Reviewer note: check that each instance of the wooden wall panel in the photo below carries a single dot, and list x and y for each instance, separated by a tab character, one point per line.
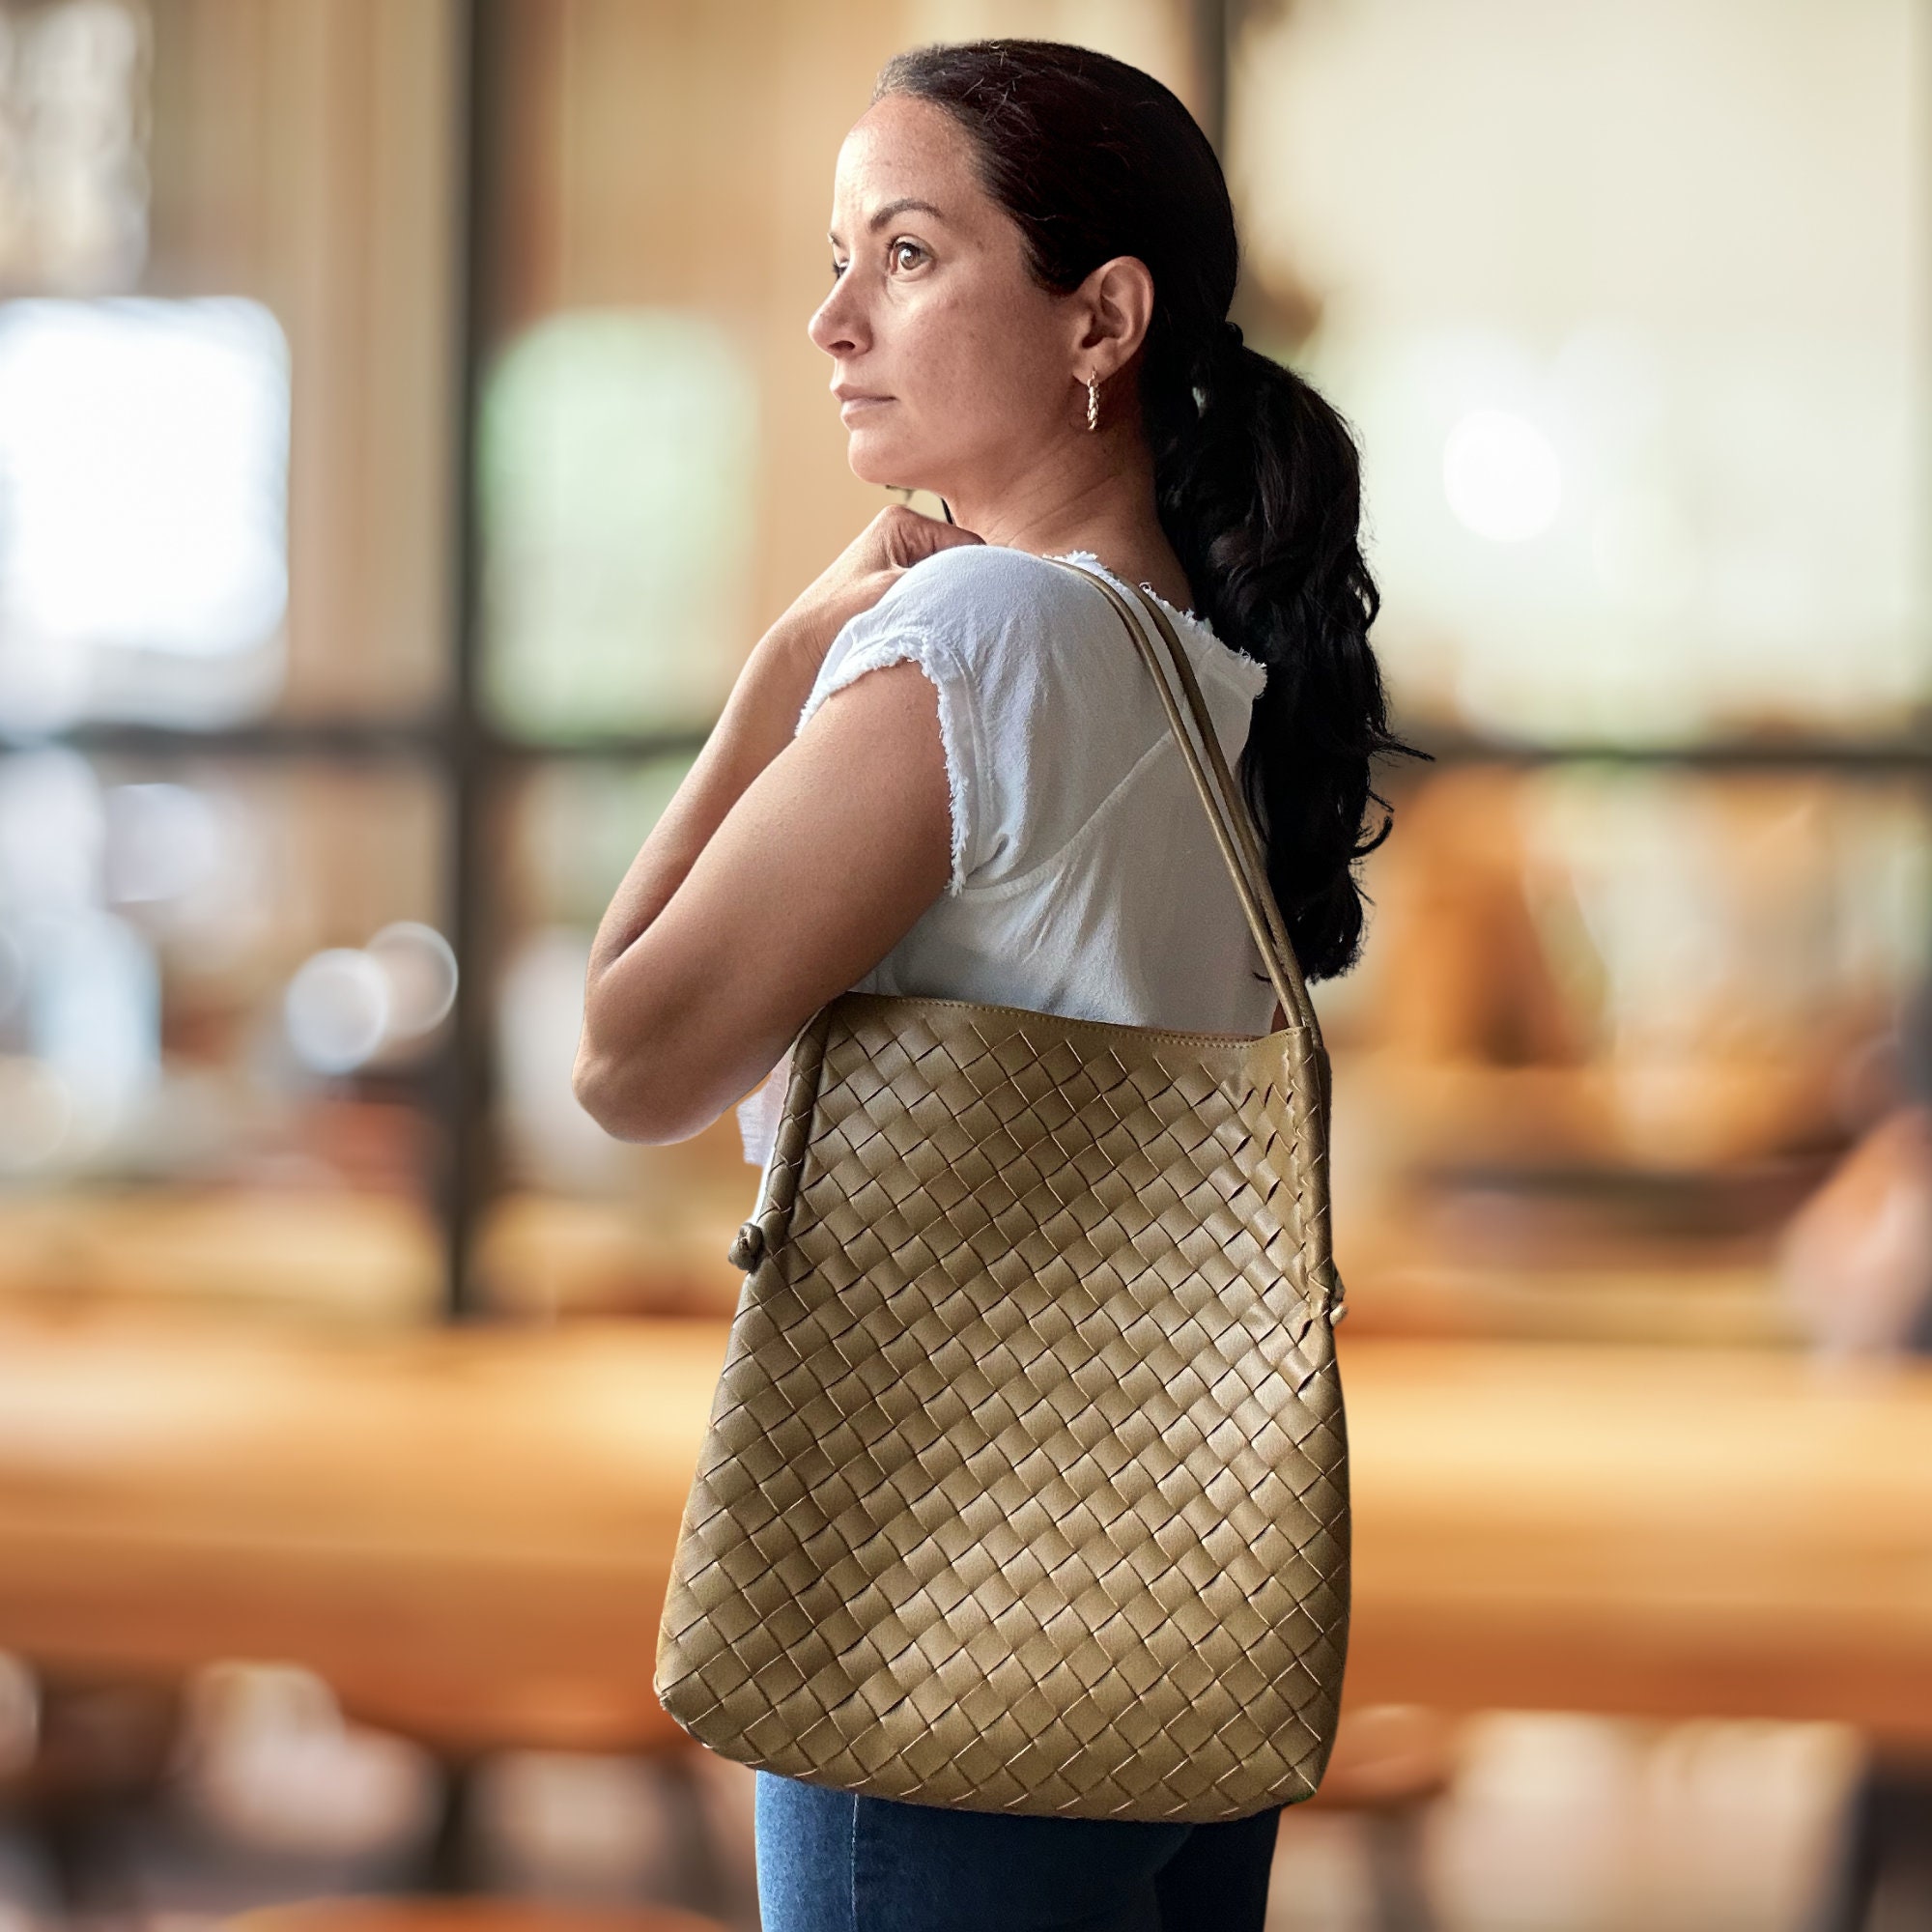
304	156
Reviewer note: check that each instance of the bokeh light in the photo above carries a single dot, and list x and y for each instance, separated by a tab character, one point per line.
144	461
338	1009
1501	476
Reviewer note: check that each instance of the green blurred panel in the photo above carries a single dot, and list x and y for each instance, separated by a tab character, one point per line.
618	465
578	828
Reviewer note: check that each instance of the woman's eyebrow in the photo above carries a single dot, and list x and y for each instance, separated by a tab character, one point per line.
906	204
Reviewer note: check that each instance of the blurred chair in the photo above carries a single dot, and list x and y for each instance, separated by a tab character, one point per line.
1855	1262
463	1915
1884	1876
95	1748
1390	1762
489	1720
1856	1266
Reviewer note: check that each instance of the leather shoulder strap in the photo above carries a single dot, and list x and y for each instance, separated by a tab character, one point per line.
1214	786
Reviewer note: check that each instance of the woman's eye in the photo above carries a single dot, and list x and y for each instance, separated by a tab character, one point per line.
837	270
902	250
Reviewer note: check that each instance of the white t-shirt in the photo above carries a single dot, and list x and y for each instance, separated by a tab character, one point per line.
1086	879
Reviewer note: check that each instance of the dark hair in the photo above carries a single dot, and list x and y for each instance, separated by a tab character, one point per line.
1256	479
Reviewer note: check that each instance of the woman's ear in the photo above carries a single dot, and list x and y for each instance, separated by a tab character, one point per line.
1116	306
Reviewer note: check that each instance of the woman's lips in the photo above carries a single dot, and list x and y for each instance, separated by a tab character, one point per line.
857	406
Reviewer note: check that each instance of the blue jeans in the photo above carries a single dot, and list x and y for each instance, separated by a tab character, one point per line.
830	1862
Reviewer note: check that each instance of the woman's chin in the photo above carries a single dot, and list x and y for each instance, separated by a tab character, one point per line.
877	458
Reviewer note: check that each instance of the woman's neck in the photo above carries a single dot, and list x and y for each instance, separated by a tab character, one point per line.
1105	506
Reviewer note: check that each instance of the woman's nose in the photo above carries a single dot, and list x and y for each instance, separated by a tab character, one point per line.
835	326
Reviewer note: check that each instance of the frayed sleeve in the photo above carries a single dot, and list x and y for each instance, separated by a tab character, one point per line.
873	648
980	621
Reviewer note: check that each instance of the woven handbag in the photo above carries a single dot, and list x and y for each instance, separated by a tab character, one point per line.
1026	1483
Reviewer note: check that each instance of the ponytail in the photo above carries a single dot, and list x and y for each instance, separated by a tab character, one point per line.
1260	492
1256	479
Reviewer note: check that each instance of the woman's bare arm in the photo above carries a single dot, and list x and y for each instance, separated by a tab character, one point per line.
782	871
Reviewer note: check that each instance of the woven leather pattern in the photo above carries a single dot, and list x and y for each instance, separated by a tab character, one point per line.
1026	1482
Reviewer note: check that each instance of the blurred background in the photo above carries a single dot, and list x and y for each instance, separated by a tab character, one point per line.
407	427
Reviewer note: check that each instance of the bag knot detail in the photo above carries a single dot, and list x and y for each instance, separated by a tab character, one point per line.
748	1247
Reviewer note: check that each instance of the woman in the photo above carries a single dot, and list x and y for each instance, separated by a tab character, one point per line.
945	770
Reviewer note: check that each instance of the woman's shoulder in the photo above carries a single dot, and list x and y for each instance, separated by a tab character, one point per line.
973	587
996	597
978	615
991	630
1217	661
1018	634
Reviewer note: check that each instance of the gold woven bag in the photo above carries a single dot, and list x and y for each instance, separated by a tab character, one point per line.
1025	1484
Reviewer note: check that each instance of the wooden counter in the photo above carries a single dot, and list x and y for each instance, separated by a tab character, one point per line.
1689	1533
469	1531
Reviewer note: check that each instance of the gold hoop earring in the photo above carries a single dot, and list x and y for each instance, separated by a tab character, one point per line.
1092	402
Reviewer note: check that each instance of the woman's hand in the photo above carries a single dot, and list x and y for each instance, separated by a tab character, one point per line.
859	576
